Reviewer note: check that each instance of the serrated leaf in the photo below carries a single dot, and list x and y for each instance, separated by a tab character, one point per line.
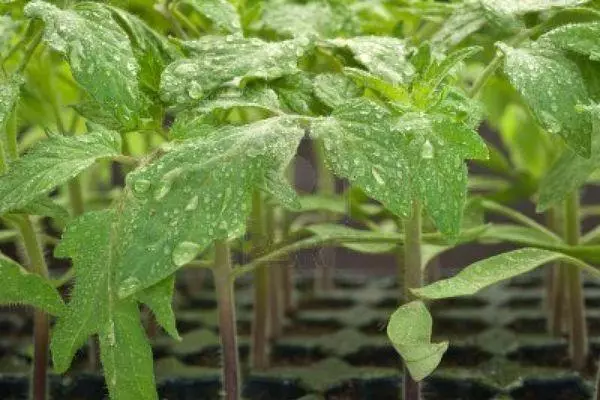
552	87
409	330
493	270
335	89
52	162
386	57
22	287
221	12
204	118
99	54
295	93
397	160
279	188
569	172
44	206
467	19
158	299
95	309
370	81
319	18
525	6
152	50
579	38
180	203
217	61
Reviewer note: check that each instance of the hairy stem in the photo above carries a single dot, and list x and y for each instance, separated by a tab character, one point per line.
227	321
412	278
324	267
578	344
260	323
37	265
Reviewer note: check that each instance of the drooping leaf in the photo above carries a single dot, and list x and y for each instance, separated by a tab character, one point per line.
95	309
180	203
570	171
366	79
493	270
53	162
222	12
517	234
579	38
295	93
409	330
219	61
279	189
22	287
552	87
398	160
335	89
386	57
99	53
324	203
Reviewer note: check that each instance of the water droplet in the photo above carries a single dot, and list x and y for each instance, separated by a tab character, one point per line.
141	186
163	189
427	150
378	178
185	252
193	204
128	287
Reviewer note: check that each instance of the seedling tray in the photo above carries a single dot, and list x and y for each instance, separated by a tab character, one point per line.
335	348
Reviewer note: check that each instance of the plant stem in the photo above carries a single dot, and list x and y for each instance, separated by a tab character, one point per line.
556	281
324	268
275	276
412	278
227	321
37	265
260	326
578	339
29	52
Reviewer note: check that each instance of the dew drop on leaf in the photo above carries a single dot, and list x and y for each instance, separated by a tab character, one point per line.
193	204
427	150
141	186
185	252
129	286
377	176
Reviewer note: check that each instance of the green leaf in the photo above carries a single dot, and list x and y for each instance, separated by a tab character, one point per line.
152	50
526	6
529	147
96	309
295	93
9	95
203	119
526	236
319	18
397	160
386	57
221	12
99	54
467	19
409	330
52	162
44	206
335	89
570	171
219	61
158	299
493	270
579	38
326	231
22	287
178	204
277	186
370	81
535	74
318	202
